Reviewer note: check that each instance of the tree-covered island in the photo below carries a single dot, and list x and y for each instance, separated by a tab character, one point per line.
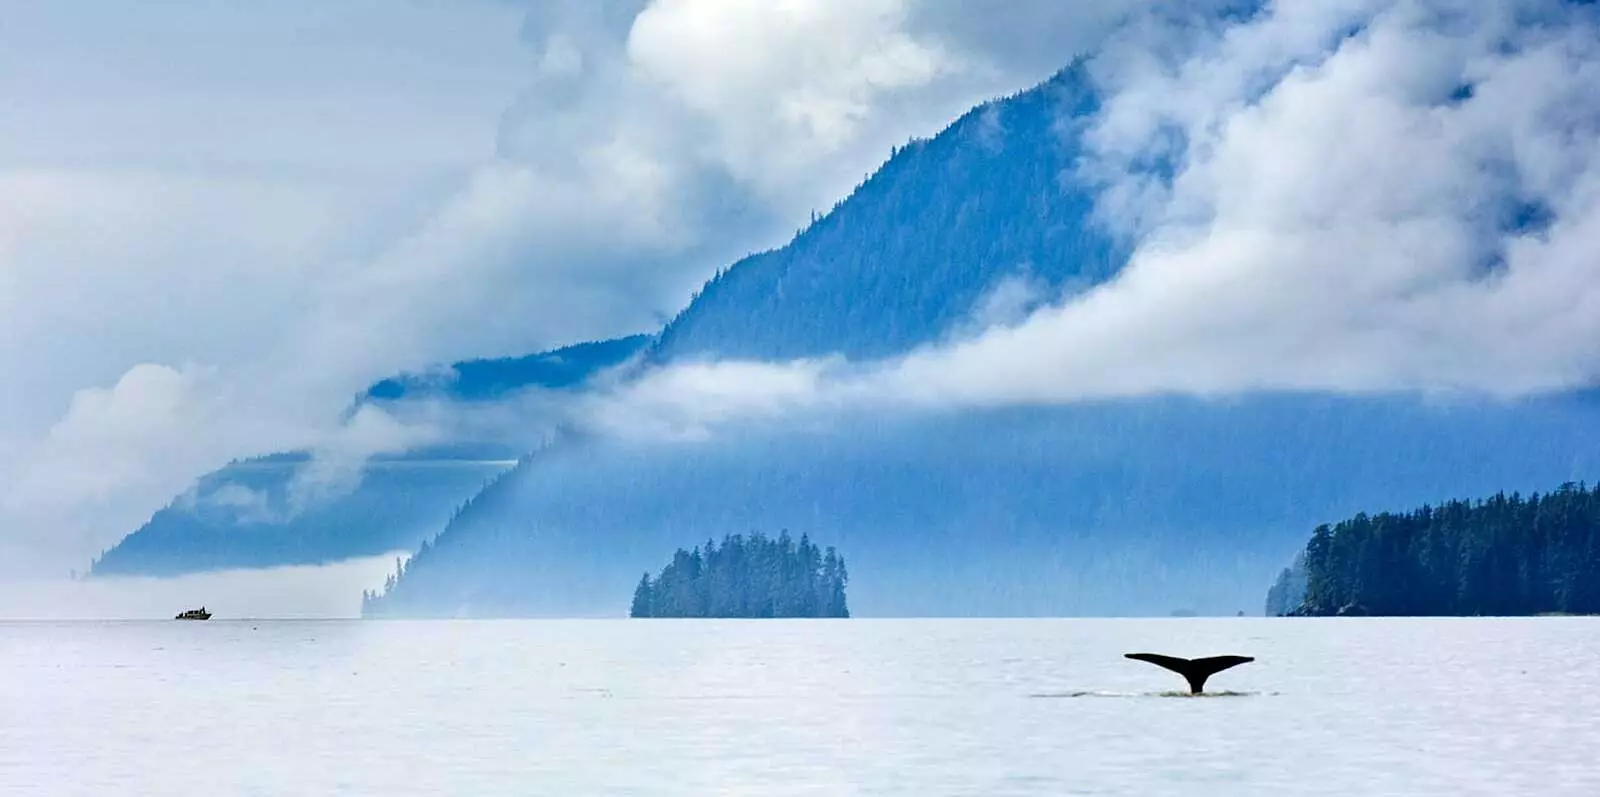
754	576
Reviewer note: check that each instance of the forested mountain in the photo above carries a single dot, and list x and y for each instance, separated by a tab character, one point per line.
246	514
252	513
748	577
1507	555
911	252
1113	507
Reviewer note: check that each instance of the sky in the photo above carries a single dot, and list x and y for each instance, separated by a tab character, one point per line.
221	219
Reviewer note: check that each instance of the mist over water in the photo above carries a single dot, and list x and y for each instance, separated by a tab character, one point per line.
310	591
913	707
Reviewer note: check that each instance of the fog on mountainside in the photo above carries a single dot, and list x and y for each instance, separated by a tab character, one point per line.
244	515
251	513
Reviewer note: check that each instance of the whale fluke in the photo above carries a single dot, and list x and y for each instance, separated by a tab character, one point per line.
1195	671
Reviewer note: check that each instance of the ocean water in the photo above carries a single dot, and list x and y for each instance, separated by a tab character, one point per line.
893	707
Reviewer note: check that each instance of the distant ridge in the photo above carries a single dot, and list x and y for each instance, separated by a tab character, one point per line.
243	515
486	380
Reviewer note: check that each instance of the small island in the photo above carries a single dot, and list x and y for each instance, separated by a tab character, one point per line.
754	576
1505	556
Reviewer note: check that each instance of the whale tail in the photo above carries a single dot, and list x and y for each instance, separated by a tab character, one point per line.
1195	671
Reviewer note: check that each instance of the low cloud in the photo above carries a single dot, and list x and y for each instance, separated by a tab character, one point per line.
1010	301
687	402
337	461
247	504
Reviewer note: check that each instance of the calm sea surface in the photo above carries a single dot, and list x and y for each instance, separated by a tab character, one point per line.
934	707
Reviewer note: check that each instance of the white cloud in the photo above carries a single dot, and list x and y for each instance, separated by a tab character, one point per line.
783	85
337	460
688	402
119	424
122	451
1009	302
248	505
1334	215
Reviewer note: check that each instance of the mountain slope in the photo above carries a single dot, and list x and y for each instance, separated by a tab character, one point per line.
916	248
487	380
246	514
252	514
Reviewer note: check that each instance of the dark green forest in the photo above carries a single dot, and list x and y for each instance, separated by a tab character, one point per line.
1508	555
753	576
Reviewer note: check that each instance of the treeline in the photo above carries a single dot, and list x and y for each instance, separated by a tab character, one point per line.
753	576
1508	555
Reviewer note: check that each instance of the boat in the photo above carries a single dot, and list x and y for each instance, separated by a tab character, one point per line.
194	614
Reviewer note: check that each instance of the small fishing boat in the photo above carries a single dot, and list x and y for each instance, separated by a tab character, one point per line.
194	614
